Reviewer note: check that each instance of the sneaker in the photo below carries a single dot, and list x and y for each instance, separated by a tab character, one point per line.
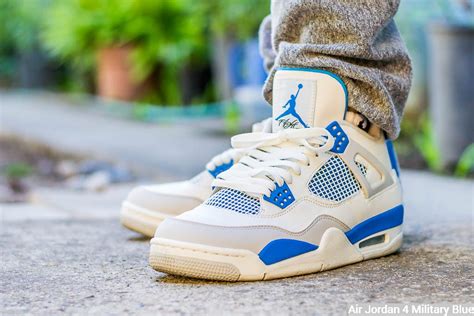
317	193
147	206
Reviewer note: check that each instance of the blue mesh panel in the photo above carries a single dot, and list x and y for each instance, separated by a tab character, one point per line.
234	200
334	181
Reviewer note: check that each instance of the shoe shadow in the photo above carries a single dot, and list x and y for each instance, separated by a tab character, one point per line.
171	279
412	240
139	238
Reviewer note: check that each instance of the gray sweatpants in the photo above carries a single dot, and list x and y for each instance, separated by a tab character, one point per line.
356	39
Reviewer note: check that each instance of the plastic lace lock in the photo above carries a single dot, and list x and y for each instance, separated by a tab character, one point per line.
340	137
281	196
221	168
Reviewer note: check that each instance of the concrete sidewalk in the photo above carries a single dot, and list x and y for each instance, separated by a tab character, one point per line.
67	253
150	149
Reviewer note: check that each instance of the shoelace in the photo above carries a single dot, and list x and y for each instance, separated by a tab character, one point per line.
272	158
236	154
225	158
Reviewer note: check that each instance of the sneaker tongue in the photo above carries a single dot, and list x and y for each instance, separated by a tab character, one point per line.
307	98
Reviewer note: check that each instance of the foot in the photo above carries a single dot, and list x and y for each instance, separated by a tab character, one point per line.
302	200
147	206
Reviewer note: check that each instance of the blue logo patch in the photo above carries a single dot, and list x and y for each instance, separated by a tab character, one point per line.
291	104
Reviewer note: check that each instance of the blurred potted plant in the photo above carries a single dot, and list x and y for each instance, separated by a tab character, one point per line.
128	42
15	174
451	64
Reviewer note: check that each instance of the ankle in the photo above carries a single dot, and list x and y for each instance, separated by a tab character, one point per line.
359	120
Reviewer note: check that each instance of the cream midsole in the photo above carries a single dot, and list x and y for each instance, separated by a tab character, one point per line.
335	250
140	219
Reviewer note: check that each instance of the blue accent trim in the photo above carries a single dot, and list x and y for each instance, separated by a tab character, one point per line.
380	222
221	168
281	249
341	140
393	156
344	87
281	196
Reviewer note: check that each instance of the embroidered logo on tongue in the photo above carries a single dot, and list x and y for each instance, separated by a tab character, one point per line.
290	118
305	98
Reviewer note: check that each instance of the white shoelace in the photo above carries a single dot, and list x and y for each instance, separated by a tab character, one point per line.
236	154
225	158
272	158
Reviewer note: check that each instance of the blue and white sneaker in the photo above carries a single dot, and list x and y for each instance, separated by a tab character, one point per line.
147	206
317	193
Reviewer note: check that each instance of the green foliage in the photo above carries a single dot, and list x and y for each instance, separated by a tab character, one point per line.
240	18
17	170
19	25
466	162
20	22
165	35
417	137
165	32
424	141
232	118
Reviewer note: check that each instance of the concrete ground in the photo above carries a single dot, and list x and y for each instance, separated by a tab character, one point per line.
65	252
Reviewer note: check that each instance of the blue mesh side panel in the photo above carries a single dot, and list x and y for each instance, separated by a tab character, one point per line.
234	200
334	181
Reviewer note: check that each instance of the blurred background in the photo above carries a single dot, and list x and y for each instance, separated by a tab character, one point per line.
98	96
102	92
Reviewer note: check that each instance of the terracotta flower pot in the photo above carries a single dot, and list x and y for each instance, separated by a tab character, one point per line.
114	74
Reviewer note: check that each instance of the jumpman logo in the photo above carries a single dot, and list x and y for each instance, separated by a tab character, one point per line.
291	104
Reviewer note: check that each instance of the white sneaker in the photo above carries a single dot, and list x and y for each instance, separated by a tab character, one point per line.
147	206
302	200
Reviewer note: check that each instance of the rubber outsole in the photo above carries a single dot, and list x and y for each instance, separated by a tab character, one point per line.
226	264
140	220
